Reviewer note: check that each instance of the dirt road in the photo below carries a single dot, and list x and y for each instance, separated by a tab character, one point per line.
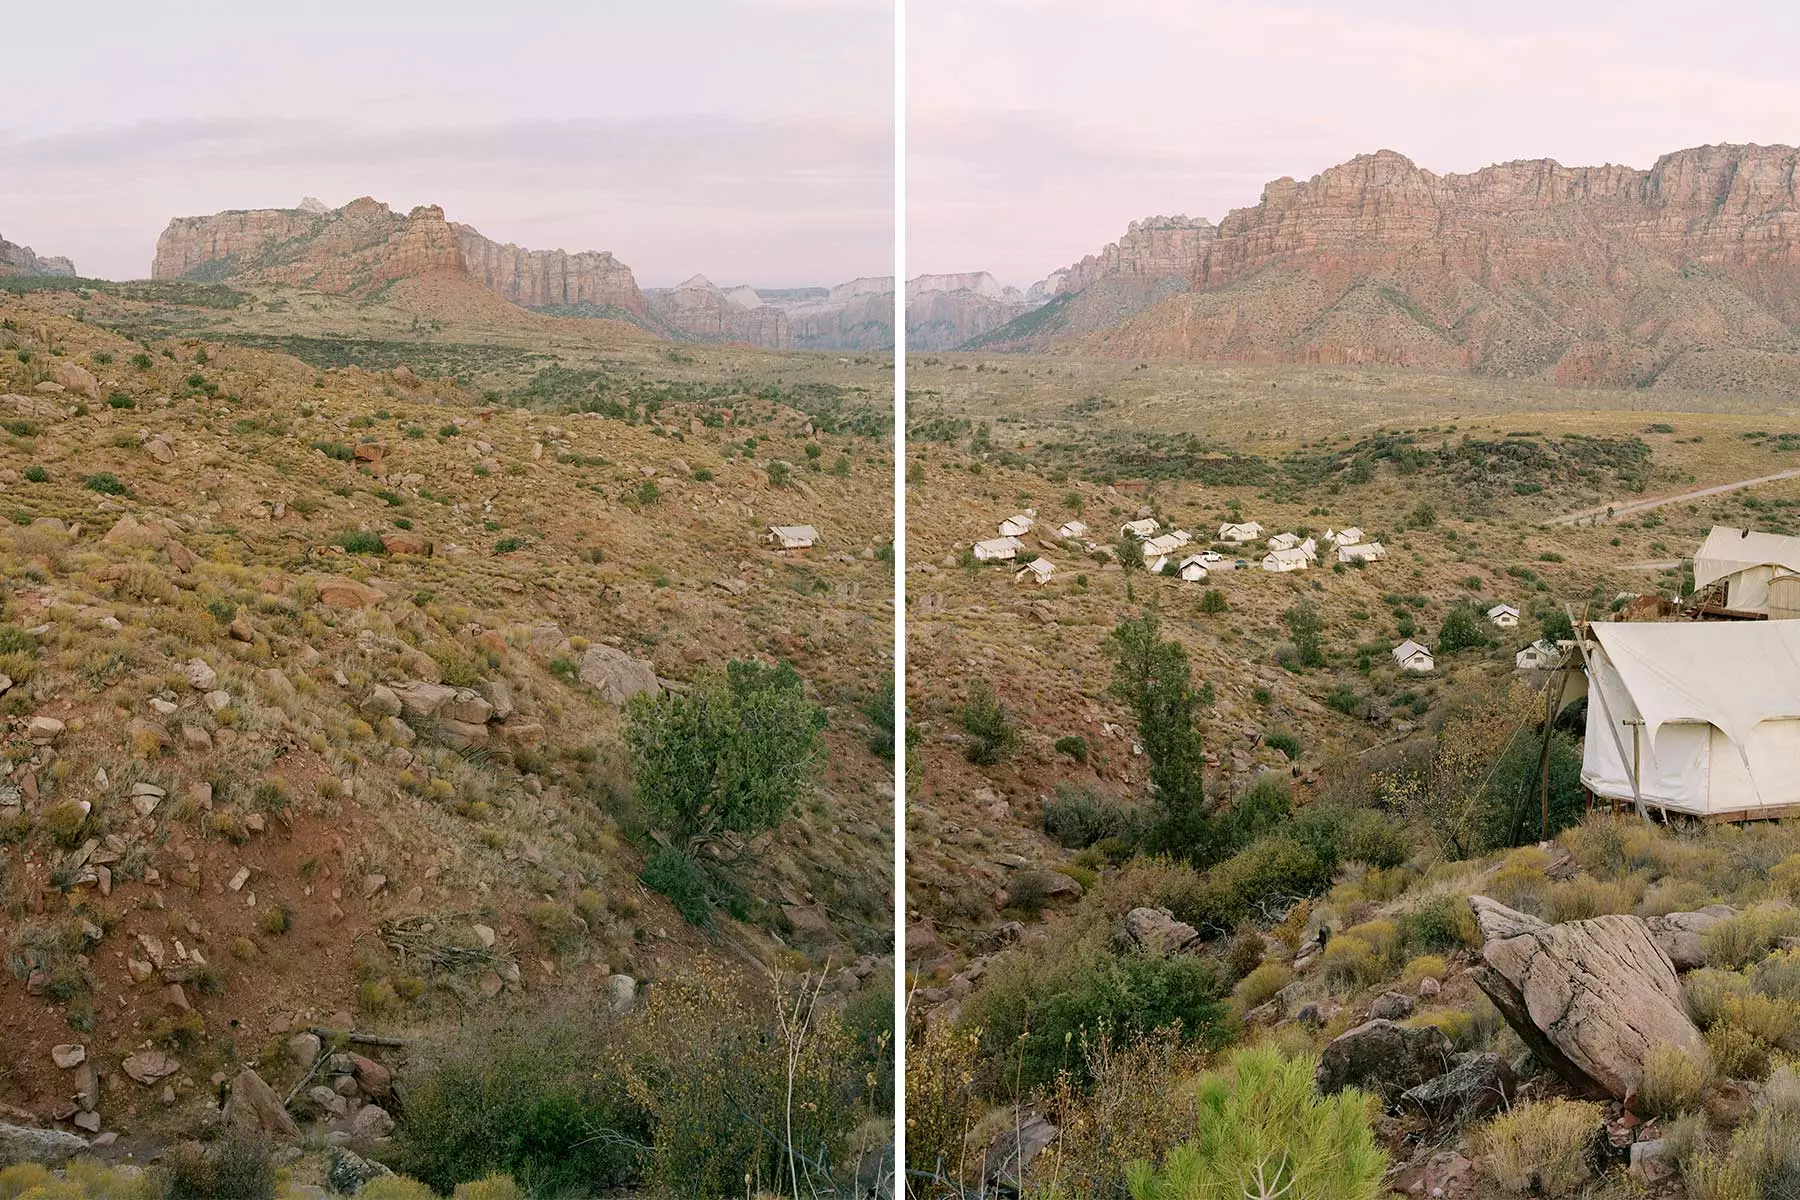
1618	511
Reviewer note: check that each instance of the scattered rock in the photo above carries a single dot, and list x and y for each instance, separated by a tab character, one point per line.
148	1066
382	701
621	993
372	1077
616	675
1383	1058
1392	1006
200	676
1679	934
50	1147
303	1049
1590	998
68	1056
338	591
347	1171
1474	1087
1156	931
1009	1154
253	1105
371	1123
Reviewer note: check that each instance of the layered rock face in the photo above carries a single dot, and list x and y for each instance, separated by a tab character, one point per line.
1154	248
357	248
1682	275
1157	257
591	281
699	309
20	260
945	311
349	249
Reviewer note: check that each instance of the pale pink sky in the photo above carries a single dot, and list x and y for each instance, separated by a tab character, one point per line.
751	140
1037	129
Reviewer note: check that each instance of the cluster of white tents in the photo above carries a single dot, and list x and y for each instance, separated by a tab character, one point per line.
1006	547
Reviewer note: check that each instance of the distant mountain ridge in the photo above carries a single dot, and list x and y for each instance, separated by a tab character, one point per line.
1685	274
21	260
363	245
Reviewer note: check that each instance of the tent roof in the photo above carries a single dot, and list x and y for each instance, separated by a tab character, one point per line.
1727	551
794	531
1730	674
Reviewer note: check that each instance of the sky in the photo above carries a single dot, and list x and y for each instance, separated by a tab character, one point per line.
747	140
1038	129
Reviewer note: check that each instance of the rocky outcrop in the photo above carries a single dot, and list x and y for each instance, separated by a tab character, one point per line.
48	1147
254	1107
1153	248
1156	931
858	315
1680	935
352	249
1684	275
1477	1085
20	260
1383	1058
591	283
616	675
1591	998
698	309
945	311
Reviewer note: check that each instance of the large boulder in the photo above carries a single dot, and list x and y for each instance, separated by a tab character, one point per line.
50	1147
1591	998
616	675
1474	1087
1679	934
253	1106
1383	1058
1156	931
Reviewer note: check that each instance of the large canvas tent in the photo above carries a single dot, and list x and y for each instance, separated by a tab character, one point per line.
1746	560
1704	715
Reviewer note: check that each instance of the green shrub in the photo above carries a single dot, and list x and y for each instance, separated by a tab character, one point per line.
494	1187
984	718
534	1094
104	482
1260	985
1039	1001
359	541
1442	923
684	880
1263	1131
235	1167
335	450
1213	601
36	474
395	1187
1351	964
1284	741
1540	1147
731	756
1675	1079
1077	818
1741	940
1073	745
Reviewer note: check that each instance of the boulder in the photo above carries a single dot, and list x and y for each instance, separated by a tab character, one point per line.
461	735
371	1123
338	591
400	542
1590	998
129	531
148	1066
1156	931
200	675
1392	1006
382	701
348	1171
76	378
1679	934
1474	1087
1009	1154
50	1147
466	706
621	993
374	1078
421	700
1383	1058
616	675
254	1106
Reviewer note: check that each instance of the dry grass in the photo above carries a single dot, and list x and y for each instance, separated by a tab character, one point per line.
1540	1147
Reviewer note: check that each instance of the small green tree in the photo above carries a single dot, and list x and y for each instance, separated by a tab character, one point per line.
1151	675
1556	626
1265	1132
989	726
731	756
1461	629
1307	629
1213	601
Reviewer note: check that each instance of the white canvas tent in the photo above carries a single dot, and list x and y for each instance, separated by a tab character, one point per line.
1144	527
1073	529
1038	571
1193	569
1746	560
792	537
1362	552
1709	710
1000	549
1286	560
1283	541
1017	525
1240	531
1504	616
